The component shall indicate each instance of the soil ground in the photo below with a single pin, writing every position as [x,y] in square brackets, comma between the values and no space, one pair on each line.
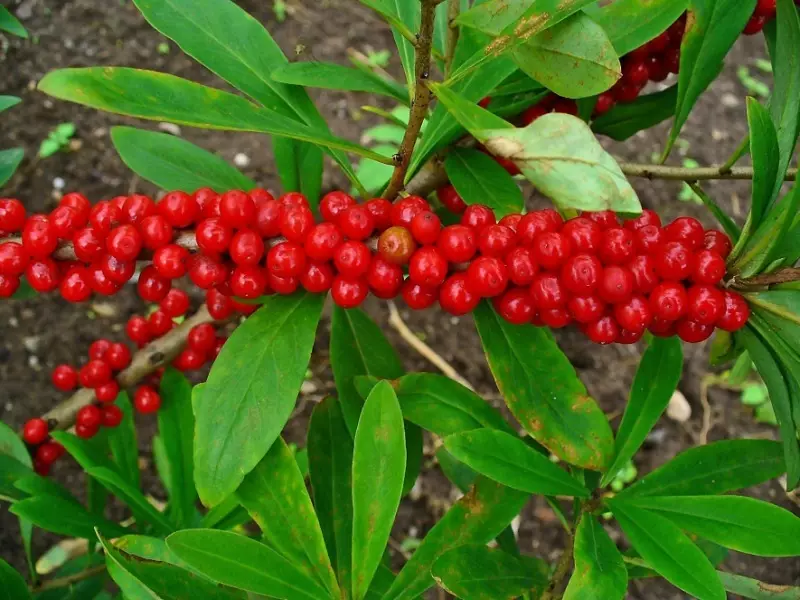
[41,333]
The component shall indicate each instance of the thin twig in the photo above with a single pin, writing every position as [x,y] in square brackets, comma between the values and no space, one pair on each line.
[786,275]
[740,151]
[702,437]
[696,174]
[422,98]
[397,322]
[61,582]
[453,8]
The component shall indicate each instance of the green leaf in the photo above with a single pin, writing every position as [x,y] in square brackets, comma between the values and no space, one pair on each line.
[626,120]
[12,445]
[543,391]
[656,379]
[632,23]
[401,15]
[493,16]
[9,161]
[35,485]
[765,153]
[118,90]
[478,179]
[11,470]
[474,572]
[561,156]
[600,572]
[85,452]
[379,464]
[736,522]
[716,468]
[300,166]
[510,461]
[240,562]
[122,441]
[147,580]
[475,519]
[148,547]
[330,466]
[12,583]
[471,116]
[90,587]
[275,495]
[331,76]
[712,28]
[11,24]
[574,58]
[173,163]
[251,391]
[176,428]
[7,102]
[66,517]
[669,551]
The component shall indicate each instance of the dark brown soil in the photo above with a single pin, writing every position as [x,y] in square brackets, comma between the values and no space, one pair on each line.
[40,333]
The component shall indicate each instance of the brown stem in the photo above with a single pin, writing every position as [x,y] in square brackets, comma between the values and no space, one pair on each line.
[787,275]
[422,98]
[555,589]
[453,8]
[688,174]
[61,582]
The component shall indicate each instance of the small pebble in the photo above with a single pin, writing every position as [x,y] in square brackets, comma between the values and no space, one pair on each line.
[679,409]
[241,160]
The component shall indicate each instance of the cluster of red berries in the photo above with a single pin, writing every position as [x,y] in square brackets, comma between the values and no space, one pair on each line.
[614,280]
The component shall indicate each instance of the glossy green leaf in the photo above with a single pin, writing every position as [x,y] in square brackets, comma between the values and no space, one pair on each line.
[765,152]
[475,572]
[632,23]
[379,464]
[220,512]
[475,519]
[561,156]
[119,89]
[241,562]
[300,167]
[147,580]
[173,163]
[12,445]
[331,76]
[669,551]
[716,468]
[87,453]
[600,572]
[7,102]
[275,495]
[493,16]
[11,24]
[36,485]
[471,116]
[11,470]
[12,584]
[543,391]
[330,466]
[510,461]
[574,59]
[478,179]
[176,430]
[9,161]
[63,516]
[251,391]
[736,522]
[648,110]
[151,548]
[405,15]
[656,379]
[123,444]
[710,32]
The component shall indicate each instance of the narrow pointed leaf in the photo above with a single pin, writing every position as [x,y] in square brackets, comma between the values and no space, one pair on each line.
[626,120]
[335,77]
[7,102]
[600,572]
[379,464]
[36,485]
[478,179]
[173,163]
[669,551]
[543,391]
[9,161]
[510,461]
[656,379]
[87,454]
[123,443]
[11,24]
[12,445]
[400,14]
[12,583]
[632,23]
[251,391]
[275,495]
[66,517]
[766,158]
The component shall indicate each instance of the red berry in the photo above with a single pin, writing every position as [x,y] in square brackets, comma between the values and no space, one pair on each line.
[706,304]
[616,284]
[152,287]
[645,277]
[41,468]
[648,217]
[709,268]
[112,415]
[356,222]
[317,278]
[584,234]
[89,417]
[268,219]
[605,102]
[428,267]
[736,314]
[581,274]
[633,315]
[555,318]
[617,246]
[381,211]
[686,230]
[639,53]
[65,378]
[136,329]
[425,227]
[209,202]
[159,323]
[693,332]
[9,284]
[568,107]
[522,267]
[218,344]
[629,337]
[94,373]
[136,208]
[104,216]
[662,329]
[457,243]
[625,91]
[449,197]
[605,219]
[179,209]
[13,259]
[669,301]
[82,431]
[487,277]
[538,222]
[384,278]
[280,285]
[334,203]
[348,293]
[219,305]
[79,203]
[249,281]
[404,210]
[322,241]
[247,247]
[551,250]
[296,223]
[89,244]
[548,292]
[39,237]
[124,243]
[352,259]
[118,356]
[49,452]
[35,431]
[674,261]
[478,216]
[100,283]
[156,232]
[649,239]
[657,68]
[175,303]
[213,236]
[496,240]
[65,222]
[171,261]
[533,113]
[98,349]
[237,209]
[293,200]
[603,331]
[515,306]
[766,8]
[718,242]
[635,72]
[418,297]
[287,259]
[396,245]
[511,221]
[43,275]
[189,360]
[116,270]
[586,309]
[755,25]
[455,296]
[658,44]
[672,59]
[76,285]
[12,215]
[146,400]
